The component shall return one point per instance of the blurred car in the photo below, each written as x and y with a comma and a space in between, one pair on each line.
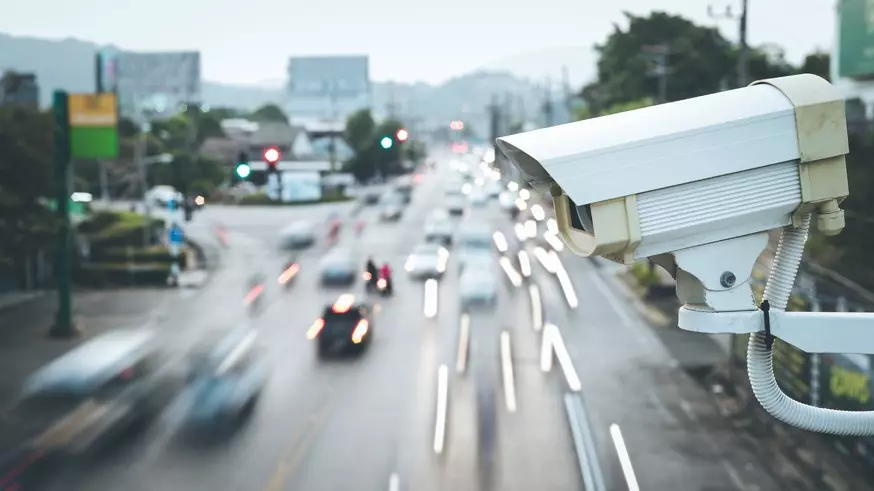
439, 214
83, 401
478, 287
371, 196
477, 198
439, 230
346, 326
392, 207
338, 269
455, 205
298, 235
473, 240
226, 378
493, 189
427, 261
160, 195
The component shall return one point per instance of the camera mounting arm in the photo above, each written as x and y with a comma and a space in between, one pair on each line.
713, 282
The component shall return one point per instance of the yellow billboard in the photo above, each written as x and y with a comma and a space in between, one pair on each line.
90, 110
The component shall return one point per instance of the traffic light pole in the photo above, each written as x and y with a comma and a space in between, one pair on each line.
64, 326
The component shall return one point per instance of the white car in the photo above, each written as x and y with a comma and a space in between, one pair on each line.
478, 287
298, 235
427, 261
439, 230
473, 241
455, 205
477, 198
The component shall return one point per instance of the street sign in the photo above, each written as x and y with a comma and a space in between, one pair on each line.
93, 121
177, 237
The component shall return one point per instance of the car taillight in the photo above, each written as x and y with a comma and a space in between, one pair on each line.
316, 328
360, 331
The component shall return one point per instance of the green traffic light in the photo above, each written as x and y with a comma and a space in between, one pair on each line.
386, 143
243, 171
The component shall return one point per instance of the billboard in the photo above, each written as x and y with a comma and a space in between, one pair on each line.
856, 39
155, 82
327, 88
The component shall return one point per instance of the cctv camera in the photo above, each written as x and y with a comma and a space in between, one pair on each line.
668, 177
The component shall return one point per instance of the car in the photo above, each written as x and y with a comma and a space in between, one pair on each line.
478, 287
345, 326
371, 196
455, 205
225, 380
86, 400
298, 235
477, 198
473, 240
439, 214
338, 269
391, 212
427, 261
493, 189
439, 230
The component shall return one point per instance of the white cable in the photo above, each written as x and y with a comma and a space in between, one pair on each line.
760, 362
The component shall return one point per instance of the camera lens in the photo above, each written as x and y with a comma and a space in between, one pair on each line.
581, 217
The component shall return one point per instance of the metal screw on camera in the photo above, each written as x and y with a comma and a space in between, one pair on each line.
727, 279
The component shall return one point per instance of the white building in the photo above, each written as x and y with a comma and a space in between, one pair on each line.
327, 88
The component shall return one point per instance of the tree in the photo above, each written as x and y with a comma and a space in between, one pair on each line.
360, 127
269, 113
26, 180
818, 63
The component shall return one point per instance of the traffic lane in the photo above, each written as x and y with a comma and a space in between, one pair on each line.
535, 444
375, 410
672, 434
164, 458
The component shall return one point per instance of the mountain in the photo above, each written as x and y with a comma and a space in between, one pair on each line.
69, 64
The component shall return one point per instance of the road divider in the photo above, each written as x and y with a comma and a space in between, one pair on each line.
442, 406
524, 263
430, 302
536, 307
584, 444
463, 343
513, 275
553, 342
624, 458
507, 370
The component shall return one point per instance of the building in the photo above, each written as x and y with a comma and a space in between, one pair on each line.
327, 88
253, 138
19, 89
852, 60
150, 85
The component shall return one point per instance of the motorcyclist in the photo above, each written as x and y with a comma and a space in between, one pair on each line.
385, 273
371, 270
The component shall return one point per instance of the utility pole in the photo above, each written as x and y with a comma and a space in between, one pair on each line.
743, 48
64, 326
391, 105
566, 93
659, 54
332, 143
548, 111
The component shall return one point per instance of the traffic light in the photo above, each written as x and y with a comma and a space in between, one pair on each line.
272, 156
403, 135
386, 142
243, 170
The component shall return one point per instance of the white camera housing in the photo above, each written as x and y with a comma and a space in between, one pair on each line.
673, 176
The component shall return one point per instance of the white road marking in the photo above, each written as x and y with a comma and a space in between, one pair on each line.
442, 403
584, 444
394, 482
624, 458
507, 369
512, 274
546, 348
431, 292
463, 343
536, 307
564, 359
525, 263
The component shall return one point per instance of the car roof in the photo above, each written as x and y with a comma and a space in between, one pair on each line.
91, 363
426, 247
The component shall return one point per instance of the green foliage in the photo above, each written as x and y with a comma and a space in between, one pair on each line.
26, 177
269, 112
158, 254
262, 199
370, 159
122, 274
360, 128
118, 229
189, 173
818, 64
644, 276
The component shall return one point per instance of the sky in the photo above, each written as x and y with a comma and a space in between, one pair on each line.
250, 41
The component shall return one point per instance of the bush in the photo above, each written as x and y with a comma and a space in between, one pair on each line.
121, 274
126, 230
98, 221
138, 255
262, 199
643, 275
256, 199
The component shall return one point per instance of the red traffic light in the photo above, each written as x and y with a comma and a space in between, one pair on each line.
272, 155
403, 135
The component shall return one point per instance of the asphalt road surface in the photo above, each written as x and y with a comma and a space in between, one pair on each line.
447, 402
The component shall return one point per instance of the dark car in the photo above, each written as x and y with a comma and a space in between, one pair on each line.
338, 268
344, 327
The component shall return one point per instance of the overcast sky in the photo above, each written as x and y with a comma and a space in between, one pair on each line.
250, 41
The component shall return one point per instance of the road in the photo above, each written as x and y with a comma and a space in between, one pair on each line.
441, 403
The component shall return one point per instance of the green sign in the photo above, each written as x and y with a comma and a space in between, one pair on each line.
93, 120
856, 41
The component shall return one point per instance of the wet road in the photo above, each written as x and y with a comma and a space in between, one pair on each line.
450, 402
